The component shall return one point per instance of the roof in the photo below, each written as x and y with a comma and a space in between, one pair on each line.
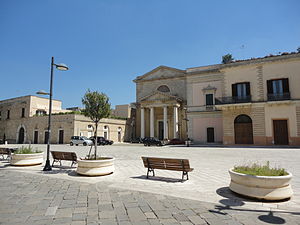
268, 58
157, 69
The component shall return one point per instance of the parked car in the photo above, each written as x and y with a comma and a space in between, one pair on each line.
78, 140
102, 140
137, 140
147, 141
176, 141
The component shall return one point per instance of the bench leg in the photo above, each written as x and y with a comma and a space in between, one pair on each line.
184, 173
150, 170
73, 162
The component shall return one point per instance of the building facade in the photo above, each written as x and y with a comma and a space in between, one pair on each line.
254, 101
25, 120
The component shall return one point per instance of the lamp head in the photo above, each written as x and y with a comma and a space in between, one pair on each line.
62, 66
42, 92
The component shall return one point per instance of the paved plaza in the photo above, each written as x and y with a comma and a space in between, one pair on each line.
30, 196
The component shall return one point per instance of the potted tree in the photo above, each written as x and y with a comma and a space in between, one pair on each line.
261, 182
26, 156
96, 107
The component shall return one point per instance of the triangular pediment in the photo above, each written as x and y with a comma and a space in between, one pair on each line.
160, 96
161, 72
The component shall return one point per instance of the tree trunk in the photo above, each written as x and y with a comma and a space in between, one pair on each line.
96, 140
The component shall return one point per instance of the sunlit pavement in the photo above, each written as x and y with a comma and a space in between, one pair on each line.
164, 199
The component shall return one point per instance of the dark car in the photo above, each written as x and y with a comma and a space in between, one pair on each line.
137, 140
101, 141
147, 141
176, 141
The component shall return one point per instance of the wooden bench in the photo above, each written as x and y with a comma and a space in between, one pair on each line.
7, 152
68, 156
167, 164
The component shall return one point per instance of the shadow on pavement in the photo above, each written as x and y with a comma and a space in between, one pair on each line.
157, 178
233, 202
61, 170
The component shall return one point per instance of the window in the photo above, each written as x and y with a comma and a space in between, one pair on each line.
23, 112
163, 88
8, 114
241, 90
209, 99
40, 112
278, 89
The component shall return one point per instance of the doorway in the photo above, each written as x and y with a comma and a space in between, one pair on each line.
243, 130
160, 130
61, 137
281, 136
21, 136
46, 137
210, 135
36, 137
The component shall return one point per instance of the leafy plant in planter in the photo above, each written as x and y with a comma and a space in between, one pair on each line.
261, 181
260, 170
27, 150
26, 156
97, 106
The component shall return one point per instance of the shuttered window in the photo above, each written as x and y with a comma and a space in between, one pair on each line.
278, 86
209, 99
241, 89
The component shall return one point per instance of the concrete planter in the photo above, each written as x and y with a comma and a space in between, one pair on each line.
27, 159
261, 187
100, 167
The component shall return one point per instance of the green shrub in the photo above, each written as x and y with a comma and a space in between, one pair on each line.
260, 170
27, 150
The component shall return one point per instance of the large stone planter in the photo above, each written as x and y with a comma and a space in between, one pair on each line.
261, 187
27, 159
100, 167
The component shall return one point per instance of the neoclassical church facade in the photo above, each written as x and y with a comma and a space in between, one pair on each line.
252, 102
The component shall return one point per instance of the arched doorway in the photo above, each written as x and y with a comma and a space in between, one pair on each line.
243, 130
21, 135
106, 132
119, 134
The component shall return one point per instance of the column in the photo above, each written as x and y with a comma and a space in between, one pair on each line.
151, 122
175, 122
165, 122
142, 122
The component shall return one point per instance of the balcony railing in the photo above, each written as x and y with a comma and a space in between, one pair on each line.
279, 96
233, 100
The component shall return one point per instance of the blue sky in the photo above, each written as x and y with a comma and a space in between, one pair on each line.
107, 43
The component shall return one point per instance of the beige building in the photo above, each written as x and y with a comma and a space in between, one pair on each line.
24, 120
254, 101
123, 111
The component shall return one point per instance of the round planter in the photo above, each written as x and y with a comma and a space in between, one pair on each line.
100, 167
27, 159
261, 187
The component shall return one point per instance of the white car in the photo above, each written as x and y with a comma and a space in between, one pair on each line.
78, 140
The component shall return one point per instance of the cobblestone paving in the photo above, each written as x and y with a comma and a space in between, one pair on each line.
30, 196
32, 199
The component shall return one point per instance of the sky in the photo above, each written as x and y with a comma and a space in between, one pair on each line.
108, 43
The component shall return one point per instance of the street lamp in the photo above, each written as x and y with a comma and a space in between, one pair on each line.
62, 67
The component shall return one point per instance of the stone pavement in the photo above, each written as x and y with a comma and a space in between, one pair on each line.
30, 196
33, 199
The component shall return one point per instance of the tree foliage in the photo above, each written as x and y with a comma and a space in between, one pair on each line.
96, 105
227, 58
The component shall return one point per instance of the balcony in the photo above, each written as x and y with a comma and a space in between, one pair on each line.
233, 100
279, 96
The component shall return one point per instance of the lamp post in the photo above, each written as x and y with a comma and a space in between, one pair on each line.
63, 67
